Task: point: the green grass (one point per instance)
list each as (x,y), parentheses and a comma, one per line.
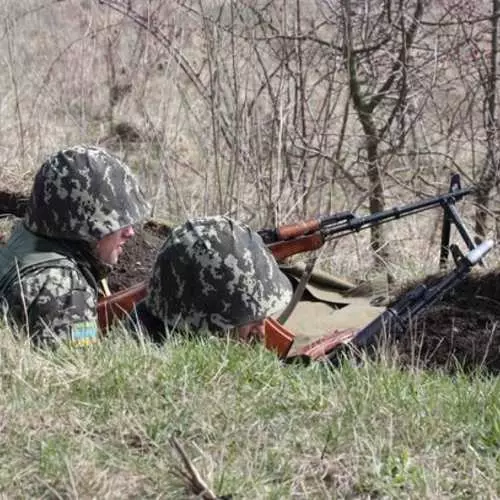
(96,423)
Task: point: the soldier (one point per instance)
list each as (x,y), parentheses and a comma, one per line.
(213,274)
(81,212)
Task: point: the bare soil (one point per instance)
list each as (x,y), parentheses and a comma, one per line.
(461,331)
(138,257)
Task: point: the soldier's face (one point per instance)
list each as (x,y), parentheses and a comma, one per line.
(251,332)
(111,246)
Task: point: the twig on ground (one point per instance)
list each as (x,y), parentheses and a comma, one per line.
(189,474)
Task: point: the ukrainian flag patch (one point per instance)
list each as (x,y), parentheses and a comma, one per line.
(84,333)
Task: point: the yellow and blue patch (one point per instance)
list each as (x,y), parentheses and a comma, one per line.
(84,333)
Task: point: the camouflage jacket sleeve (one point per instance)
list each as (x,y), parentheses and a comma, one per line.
(55,304)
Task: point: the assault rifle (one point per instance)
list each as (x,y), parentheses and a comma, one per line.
(306,236)
(395,320)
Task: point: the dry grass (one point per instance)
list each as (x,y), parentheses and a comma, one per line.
(76,71)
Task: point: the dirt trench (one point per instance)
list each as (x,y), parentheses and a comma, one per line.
(460,331)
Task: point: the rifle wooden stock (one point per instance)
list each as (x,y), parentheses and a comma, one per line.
(283,249)
(119,305)
(320,348)
(277,338)
(289,231)
(302,228)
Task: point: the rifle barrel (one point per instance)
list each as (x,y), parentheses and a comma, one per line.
(358,223)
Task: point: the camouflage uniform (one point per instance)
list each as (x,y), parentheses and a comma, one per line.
(212,274)
(49,270)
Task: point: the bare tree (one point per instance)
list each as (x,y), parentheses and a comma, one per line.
(489,177)
(390,95)
(319,106)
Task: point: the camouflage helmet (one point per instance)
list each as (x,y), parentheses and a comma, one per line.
(215,273)
(84,193)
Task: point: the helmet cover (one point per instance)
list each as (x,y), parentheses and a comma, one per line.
(215,273)
(84,193)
